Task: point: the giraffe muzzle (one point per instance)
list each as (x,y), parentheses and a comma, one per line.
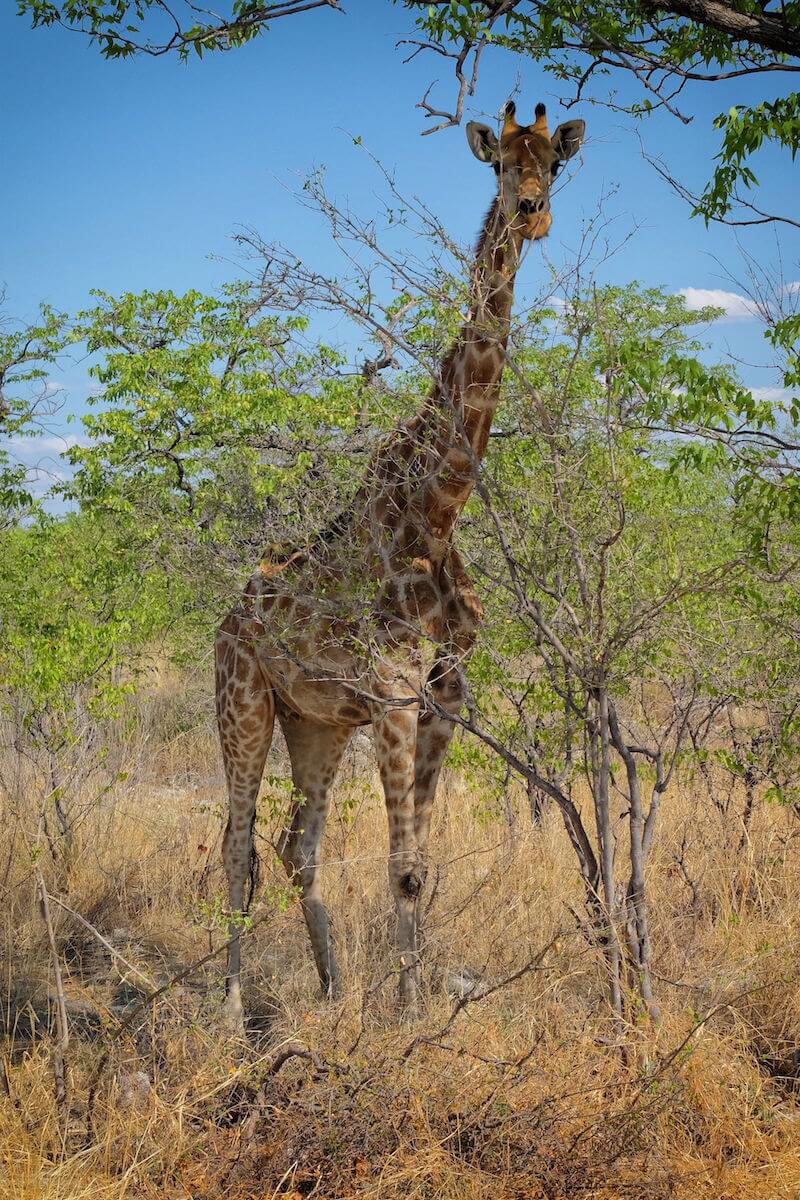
(529,208)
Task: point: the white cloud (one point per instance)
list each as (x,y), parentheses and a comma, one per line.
(737,308)
(773,395)
(792,288)
(25,446)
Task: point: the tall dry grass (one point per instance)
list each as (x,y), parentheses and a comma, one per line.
(520,1092)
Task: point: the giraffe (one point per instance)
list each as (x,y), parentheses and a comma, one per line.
(315,645)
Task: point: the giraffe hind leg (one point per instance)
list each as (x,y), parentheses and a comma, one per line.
(395,744)
(315,751)
(434,732)
(245,717)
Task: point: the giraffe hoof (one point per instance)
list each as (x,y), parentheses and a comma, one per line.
(331,990)
(409,993)
(409,1007)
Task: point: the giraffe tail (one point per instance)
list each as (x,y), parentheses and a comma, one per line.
(254,868)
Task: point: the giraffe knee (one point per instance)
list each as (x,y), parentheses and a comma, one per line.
(235,849)
(412,883)
(448,685)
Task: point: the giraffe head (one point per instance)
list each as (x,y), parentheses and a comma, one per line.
(526,160)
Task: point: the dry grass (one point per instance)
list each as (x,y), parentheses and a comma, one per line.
(520,1094)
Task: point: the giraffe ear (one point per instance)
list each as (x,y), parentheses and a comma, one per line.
(568,138)
(482,141)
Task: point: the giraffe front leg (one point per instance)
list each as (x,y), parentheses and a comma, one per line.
(395,743)
(315,751)
(434,731)
(245,716)
(299,853)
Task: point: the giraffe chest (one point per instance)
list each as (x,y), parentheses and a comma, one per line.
(325,638)
(436,600)
(412,602)
(327,649)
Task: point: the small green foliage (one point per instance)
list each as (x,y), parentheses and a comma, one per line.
(280,896)
(27,356)
(212,914)
(279,791)
(122,28)
(745,130)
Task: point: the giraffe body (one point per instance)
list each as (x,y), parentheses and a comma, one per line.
(376,618)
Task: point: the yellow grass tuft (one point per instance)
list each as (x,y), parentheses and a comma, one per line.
(523,1093)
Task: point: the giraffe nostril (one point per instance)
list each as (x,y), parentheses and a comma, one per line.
(528,207)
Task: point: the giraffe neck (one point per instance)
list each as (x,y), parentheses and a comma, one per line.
(494,270)
(422,476)
(465,398)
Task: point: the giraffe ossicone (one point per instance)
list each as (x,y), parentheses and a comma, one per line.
(309,645)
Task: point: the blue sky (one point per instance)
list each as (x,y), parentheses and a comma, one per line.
(130,175)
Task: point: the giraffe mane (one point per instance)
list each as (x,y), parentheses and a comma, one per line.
(487,223)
